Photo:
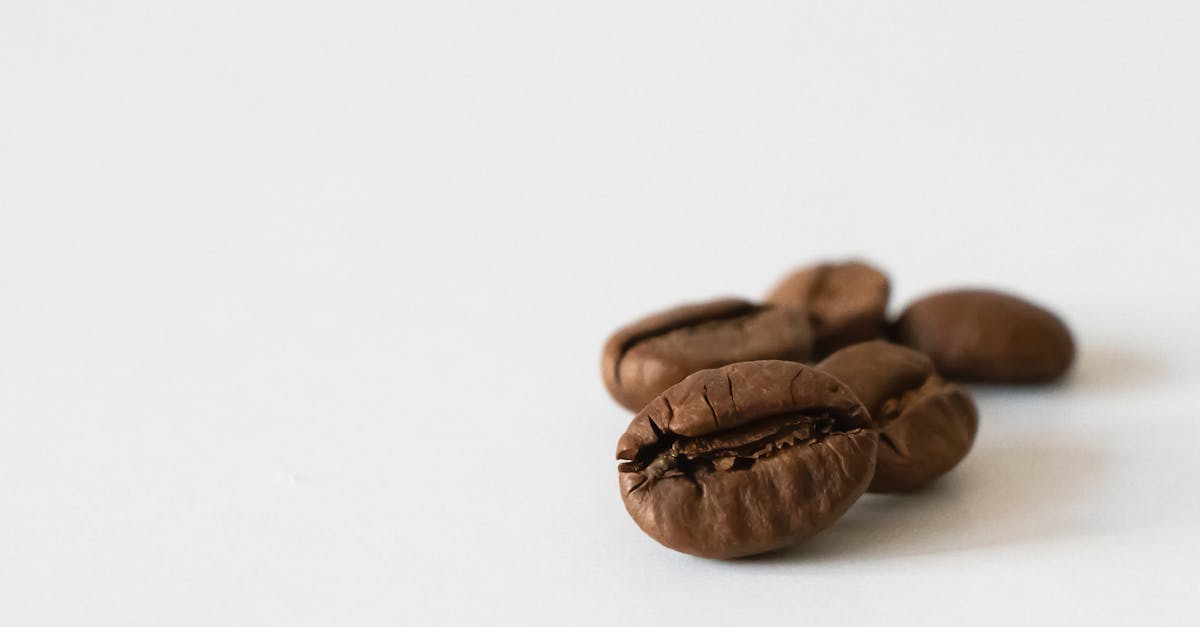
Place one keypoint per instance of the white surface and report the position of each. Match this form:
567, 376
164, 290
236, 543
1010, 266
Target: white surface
301, 303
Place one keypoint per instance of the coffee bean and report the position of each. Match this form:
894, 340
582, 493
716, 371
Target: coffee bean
746, 458
977, 335
926, 426
652, 354
846, 302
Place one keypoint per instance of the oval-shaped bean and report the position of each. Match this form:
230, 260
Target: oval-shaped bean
980, 335
745, 459
846, 302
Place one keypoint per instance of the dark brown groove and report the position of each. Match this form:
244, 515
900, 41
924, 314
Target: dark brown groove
747, 310
664, 441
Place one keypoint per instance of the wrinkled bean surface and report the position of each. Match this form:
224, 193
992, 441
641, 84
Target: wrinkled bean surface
926, 426
745, 459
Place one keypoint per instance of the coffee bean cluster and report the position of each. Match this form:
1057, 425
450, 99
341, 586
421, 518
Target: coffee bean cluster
760, 424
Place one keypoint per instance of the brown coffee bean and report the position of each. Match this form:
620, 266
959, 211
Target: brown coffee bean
926, 426
652, 354
746, 458
977, 335
846, 302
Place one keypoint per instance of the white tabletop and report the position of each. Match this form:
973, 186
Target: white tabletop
301, 305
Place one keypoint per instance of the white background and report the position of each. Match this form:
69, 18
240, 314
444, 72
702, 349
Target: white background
301, 303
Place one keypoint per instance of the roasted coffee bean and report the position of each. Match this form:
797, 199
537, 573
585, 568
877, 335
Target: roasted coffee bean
926, 426
746, 459
652, 354
846, 302
977, 335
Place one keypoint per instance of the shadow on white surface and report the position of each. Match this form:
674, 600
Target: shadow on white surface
1012, 489
1098, 370
1111, 368
1006, 495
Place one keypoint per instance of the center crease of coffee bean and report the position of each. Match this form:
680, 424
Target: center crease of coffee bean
731, 450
